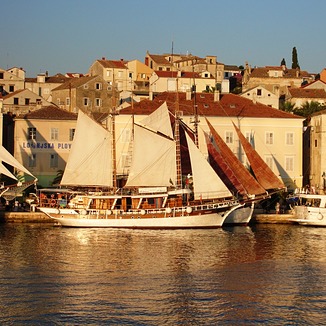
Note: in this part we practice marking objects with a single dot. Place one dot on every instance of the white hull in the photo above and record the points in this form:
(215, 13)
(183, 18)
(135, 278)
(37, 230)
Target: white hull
(208, 219)
(306, 215)
(240, 216)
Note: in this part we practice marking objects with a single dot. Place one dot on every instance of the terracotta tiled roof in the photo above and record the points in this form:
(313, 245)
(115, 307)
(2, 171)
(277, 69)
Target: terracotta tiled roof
(118, 64)
(50, 112)
(307, 92)
(314, 82)
(74, 82)
(159, 59)
(13, 93)
(230, 105)
(56, 79)
(262, 72)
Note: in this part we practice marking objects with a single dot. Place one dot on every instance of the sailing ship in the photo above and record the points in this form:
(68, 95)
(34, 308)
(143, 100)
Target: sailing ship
(249, 188)
(10, 192)
(156, 194)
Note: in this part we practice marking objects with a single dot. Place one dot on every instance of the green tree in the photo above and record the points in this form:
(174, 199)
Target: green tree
(58, 177)
(287, 106)
(308, 108)
(295, 63)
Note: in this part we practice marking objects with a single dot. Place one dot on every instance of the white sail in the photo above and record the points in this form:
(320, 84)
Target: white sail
(6, 157)
(90, 159)
(154, 160)
(5, 171)
(207, 184)
(159, 120)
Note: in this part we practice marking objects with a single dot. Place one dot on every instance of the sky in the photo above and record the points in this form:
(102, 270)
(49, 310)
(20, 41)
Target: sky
(69, 35)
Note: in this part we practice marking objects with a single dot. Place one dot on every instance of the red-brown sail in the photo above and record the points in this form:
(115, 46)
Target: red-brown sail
(223, 170)
(243, 175)
(263, 173)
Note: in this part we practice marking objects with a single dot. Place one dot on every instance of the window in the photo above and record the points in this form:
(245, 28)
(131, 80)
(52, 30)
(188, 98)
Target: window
(16, 101)
(58, 101)
(316, 143)
(289, 164)
(289, 138)
(85, 86)
(67, 101)
(31, 133)
(259, 92)
(38, 101)
(53, 160)
(27, 101)
(269, 138)
(72, 134)
(1, 75)
(86, 101)
(108, 73)
(11, 88)
(269, 162)
(32, 160)
(54, 134)
(98, 86)
(120, 74)
(98, 102)
(229, 137)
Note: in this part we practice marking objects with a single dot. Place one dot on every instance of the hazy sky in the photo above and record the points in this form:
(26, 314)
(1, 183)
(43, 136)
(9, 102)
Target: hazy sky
(69, 35)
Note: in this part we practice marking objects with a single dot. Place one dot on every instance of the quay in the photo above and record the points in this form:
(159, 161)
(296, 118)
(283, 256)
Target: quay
(39, 217)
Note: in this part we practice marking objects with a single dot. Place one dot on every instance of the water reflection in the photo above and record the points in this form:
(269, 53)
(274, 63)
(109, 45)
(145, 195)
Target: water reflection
(267, 273)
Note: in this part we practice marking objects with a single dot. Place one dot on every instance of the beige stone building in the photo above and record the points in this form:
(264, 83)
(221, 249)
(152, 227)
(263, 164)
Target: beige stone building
(43, 84)
(89, 93)
(22, 101)
(186, 63)
(302, 95)
(316, 151)
(162, 81)
(11, 80)
(276, 135)
(276, 79)
(114, 72)
(262, 95)
(43, 140)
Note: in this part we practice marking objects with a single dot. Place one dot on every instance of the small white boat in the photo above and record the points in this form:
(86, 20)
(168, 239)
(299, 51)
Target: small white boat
(309, 209)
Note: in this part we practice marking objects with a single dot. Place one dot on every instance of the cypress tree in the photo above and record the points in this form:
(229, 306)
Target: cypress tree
(283, 62)
(295, 63)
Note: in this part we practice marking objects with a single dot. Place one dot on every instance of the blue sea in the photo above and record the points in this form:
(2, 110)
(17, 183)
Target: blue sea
(264, 274)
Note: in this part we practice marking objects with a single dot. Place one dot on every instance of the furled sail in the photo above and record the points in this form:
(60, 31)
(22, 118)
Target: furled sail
(6, 157)
(90, 159)
(262, 171)
(243, 175)
(206, 183)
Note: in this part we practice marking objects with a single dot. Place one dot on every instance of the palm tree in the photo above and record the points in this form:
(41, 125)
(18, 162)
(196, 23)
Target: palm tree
(308, 108)
(287, 107)
(57, 178)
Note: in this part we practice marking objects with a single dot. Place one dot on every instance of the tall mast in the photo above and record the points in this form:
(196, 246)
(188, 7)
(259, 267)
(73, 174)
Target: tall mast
(177, 140)
(114, 153)
(177, 130)
(196, 120)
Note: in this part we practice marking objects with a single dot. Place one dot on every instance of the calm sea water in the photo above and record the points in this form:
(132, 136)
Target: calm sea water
(272, 274)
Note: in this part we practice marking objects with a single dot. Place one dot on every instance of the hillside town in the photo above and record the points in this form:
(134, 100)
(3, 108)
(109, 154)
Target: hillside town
(39, 115)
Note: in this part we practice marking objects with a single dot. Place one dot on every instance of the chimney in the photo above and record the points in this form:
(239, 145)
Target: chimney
(151, 96)
(216, 96)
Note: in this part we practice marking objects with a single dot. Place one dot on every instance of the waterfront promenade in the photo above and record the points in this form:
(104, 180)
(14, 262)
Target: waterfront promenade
(39, 217)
